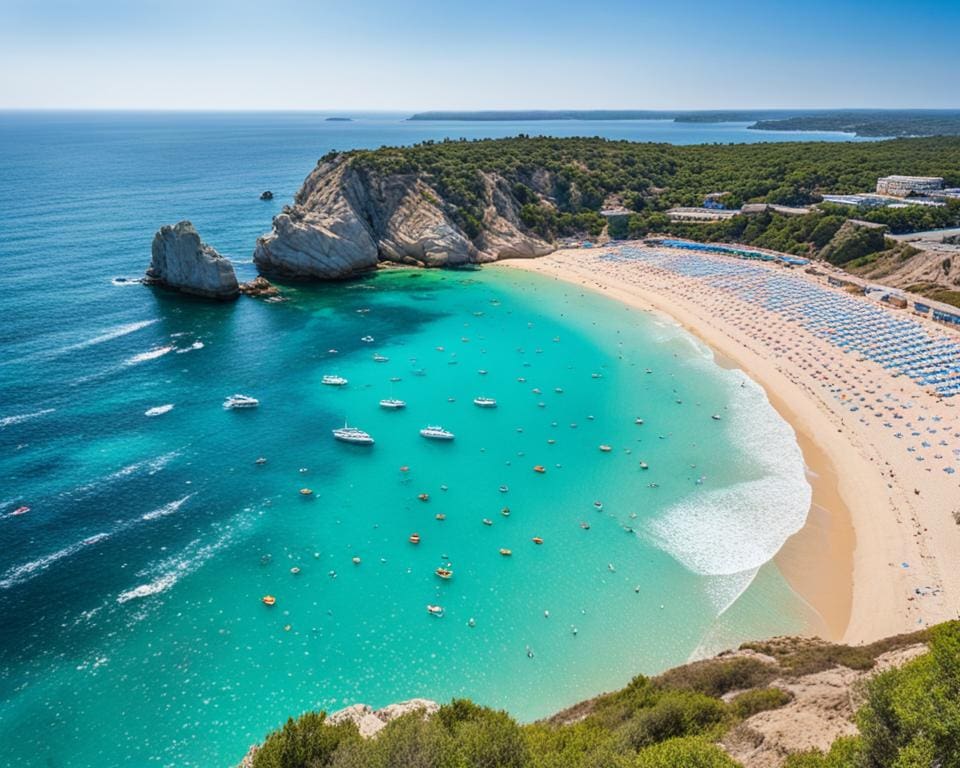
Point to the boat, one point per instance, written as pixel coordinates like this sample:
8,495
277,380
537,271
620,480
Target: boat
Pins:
352,435
638,420
435,610
240,401
355,560
392,403
423,496
268,600
261,461
537,391
585,525
444,573
485,402
537,540
504,489
716,417
596,375
505,511
378,358
414,538
21,510
505,552
598,504
306,492
540,468
644,465
487,521
367,339
333,381
436,433
295,570
440,516
482,371
558,390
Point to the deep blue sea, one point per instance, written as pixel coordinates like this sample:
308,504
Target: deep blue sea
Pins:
132,631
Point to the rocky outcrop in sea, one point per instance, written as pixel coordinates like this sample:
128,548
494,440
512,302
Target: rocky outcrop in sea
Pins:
181,261
346,220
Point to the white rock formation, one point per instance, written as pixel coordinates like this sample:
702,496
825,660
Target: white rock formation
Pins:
182,262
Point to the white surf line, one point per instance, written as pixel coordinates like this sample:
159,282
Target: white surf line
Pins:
22,573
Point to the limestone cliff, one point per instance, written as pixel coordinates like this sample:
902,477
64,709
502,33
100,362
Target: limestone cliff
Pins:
181,261
345,220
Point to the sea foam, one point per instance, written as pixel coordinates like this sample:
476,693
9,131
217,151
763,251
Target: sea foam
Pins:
150,354
9,421
730,532
21,573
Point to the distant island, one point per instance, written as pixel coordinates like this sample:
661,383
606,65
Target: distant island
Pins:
339,120
877,123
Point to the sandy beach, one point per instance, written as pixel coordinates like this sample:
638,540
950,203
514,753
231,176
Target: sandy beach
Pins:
879,551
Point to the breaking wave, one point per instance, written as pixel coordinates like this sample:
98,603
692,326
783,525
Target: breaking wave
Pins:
26,571
728,533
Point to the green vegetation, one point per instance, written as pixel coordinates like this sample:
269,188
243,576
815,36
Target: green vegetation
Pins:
559,186
880,122
910,719
911,715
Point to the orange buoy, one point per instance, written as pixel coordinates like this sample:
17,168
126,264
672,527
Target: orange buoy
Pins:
268,600
414,538
537,540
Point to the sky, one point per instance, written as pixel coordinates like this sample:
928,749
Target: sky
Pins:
496,54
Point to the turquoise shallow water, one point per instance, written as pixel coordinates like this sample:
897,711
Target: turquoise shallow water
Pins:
133,631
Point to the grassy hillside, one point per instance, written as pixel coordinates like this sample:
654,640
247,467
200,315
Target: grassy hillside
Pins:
910,718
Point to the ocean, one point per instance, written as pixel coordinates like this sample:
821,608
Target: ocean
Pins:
133,631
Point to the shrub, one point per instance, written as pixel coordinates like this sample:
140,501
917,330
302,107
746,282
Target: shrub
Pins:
844,753
307,742
750,703
676,713
716,677
684,753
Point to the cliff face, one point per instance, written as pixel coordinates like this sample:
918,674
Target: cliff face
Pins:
182,262
346,220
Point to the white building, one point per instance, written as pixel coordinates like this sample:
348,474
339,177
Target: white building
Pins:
903,186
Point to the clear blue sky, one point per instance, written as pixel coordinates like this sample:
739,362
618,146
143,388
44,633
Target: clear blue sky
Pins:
402,55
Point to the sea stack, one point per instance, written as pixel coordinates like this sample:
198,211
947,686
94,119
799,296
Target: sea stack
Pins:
181,261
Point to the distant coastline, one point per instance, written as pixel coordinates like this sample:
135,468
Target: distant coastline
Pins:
874,123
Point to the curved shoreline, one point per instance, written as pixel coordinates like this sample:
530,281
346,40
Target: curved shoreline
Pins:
868,546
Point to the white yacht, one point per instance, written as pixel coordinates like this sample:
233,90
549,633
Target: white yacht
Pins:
436,433
392,403
240,401
485,402
352,435
334,381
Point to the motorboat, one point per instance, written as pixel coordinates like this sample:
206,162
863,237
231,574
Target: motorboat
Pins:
485,402
414,538
435,610
444,573
268,600
352,435
378,358
391,403
240,401
436,433
333,381
367,339
537,540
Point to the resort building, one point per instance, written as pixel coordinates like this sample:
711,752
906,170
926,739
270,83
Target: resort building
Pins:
904,186
700,214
